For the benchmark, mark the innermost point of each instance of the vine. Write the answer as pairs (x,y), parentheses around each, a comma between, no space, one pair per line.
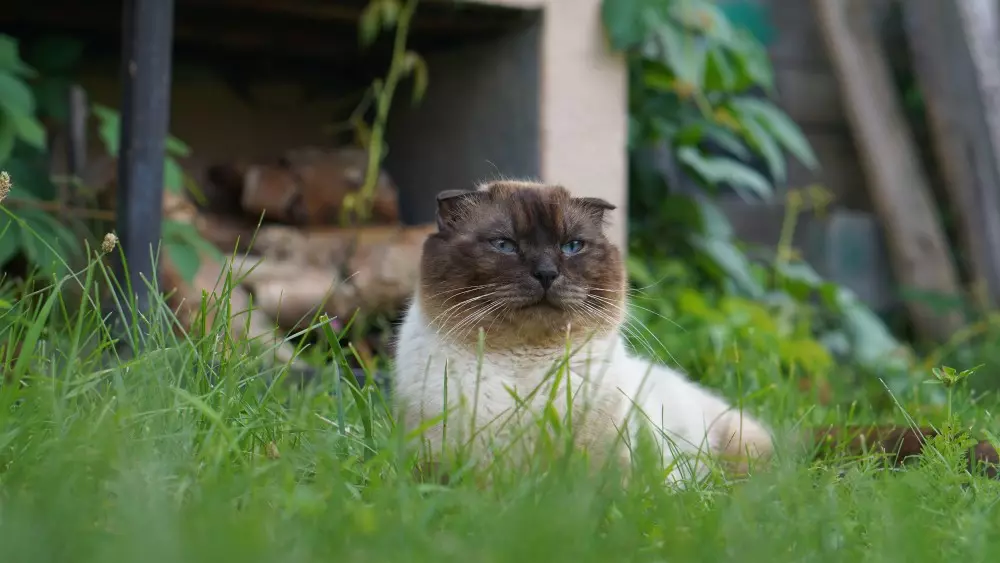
(385,14)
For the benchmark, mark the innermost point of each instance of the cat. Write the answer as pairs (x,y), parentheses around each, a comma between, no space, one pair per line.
(530,265)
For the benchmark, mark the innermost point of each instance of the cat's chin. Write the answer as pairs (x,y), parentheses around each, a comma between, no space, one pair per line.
(544,305)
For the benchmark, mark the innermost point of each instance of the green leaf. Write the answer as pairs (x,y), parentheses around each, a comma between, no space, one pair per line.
(780,125)
(714,223)
(718,170)
(727,140)
(720,76)
(624,22)
(368,24)
(29,168)
(177,147)
(8,134)
(872,344)
(173,176)
(683,53)
(8,53)
(10,60)
(768,148)
(15,96)
(390,13)
(658,77)
(41,227)
(186,233)
(43,256)
(415,65)
(638,271)
(30,130)
(754,61)
(704,17)
(731,261)
(108,128)
(185,258)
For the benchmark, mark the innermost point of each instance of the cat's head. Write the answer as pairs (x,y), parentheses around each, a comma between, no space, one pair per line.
(523,261)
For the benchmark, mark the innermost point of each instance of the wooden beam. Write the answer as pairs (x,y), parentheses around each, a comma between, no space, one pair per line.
(145,71)
(954,48)
(900,191)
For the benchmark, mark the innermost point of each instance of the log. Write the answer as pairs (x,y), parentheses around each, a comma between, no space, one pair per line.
(337,271)
(305,187)
(900,191)
(954,51)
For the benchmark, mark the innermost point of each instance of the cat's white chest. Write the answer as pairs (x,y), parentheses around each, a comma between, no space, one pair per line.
(431,371)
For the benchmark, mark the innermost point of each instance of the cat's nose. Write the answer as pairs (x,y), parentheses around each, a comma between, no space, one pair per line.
(545,275)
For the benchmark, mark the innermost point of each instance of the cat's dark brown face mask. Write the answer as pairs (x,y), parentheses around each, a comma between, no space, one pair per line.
(522,261)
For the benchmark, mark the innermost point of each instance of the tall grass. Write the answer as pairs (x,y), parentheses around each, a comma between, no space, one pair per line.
(194,450)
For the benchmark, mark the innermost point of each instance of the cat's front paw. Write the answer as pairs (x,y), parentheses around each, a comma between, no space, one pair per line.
(743,443)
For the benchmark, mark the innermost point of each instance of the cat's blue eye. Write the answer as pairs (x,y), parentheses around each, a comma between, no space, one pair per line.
(504,245)
(572,247)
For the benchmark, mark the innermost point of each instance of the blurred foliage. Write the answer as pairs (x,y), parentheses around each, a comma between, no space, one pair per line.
(702,122)
(34,93)
(383,15)
(26,96)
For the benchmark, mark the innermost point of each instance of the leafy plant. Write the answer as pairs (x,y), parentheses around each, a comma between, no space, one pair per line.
(17,103)
(23,155)
(701,115)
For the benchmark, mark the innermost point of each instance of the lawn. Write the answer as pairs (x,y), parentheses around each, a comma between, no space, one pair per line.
(192,452)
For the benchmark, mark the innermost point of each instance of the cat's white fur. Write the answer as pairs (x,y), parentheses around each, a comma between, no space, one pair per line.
(615,395)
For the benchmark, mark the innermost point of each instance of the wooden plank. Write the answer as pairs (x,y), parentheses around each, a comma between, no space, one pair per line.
(958,69)
(900,191)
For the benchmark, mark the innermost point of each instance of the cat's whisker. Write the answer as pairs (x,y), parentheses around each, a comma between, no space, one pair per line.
(502,317)
(462,327)
(640,307)
(475,324)
(625,290)
(472,318)
(446,317)
(643,288)
(630,319)
(460,291)
(626,327)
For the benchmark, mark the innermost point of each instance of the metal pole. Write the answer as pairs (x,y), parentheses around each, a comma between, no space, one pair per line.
(147,37)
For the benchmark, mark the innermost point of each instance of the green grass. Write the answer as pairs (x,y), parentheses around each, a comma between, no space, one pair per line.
(170,456)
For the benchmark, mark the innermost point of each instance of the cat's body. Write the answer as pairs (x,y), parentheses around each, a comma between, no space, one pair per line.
(529,266)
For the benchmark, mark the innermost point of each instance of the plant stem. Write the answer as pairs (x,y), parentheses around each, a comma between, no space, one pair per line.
(367,193)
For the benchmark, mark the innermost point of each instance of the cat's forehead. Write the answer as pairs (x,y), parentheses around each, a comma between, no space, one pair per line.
(526,207)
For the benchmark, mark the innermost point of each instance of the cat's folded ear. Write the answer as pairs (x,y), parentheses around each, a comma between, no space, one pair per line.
(451,204)
(595,206)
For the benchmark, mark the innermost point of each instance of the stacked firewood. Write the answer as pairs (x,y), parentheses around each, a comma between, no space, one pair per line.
(303,259)
(278,226)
